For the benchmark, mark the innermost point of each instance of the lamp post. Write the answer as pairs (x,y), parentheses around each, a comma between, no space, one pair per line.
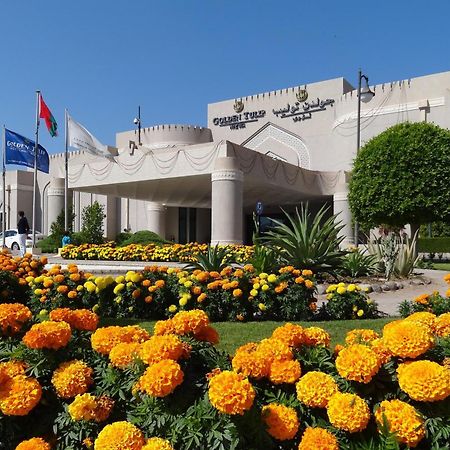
(137,122)
(364,95)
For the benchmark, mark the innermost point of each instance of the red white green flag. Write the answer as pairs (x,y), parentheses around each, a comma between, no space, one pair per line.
(45,113)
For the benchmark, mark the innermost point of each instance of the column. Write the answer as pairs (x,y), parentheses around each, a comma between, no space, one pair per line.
(156,218)
(55,202)
(226,202)
(342,208)
(111,218)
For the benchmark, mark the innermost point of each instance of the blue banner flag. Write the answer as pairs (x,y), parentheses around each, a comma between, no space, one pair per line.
(20,151)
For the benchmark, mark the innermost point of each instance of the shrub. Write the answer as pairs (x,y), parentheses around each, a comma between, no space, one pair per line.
(92,223)
(308,242)
(142,237)
(357,264)
(434,245)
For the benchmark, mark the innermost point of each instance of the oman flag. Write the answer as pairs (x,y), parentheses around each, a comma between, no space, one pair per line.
(45,113)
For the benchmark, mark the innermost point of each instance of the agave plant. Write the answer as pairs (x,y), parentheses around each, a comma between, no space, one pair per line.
(357,264)
(214,259)
(264,259)
(308,242)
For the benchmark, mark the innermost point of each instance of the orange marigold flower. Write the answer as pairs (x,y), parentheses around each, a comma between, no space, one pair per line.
(19,395)
(156,443)
(186,322)
(80,319)
(281,287)
(63,289)
(250,362)
(158,348)
(13,316)
(161,379)
(34,444)
(120,436)
(104,339)
(88,407)
(72,378)
(289,333)
(231,393)
(237,293)
(307,273)
(348,412)
(383,353)
(402,420)
(442,325)
(424,381)
(315,388)
(422,299)
(281,421)
(285,372)
(360,336)
(425,318)
(208,334)
(49,334)
(316,336)
(274,349)
(358,363)
(407,339)
(123,354)
(318,439)
(11,368)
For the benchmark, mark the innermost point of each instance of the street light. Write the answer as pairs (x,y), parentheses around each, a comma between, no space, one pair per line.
(364,95)
(137,122)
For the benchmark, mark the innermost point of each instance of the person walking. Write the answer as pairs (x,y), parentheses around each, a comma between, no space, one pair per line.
(22,229)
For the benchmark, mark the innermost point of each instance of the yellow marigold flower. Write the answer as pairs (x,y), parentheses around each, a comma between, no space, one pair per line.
(341,290)
(379,347)
(262,275)
(358,363)
(314,389)
(281,421)
(88,407)
(403,421)
(72,378)
(19,395)
(161,379)
(275,350)
(119,288)
(424,381)
(104,339)
(351,288)
(272,278)
(120,436)
(253,292)
(90,286)
(360,336)
(250,363)
(318,439)
(425,318)
(231,393)
(156,443)
(442,325)
(407,339)
(360,313)
(262,306)
(285,372)
(34,444)
(289,333)
(316,336)
(13,316)
(158,348)
(348,412)
(52,335)
(331,288)
(123,354)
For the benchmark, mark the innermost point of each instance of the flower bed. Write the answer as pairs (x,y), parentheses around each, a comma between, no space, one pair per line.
(150,252)
(66,385)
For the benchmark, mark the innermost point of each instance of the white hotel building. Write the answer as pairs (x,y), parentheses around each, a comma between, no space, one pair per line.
(191,183)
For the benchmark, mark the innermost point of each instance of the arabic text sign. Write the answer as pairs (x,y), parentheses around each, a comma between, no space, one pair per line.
(303,111)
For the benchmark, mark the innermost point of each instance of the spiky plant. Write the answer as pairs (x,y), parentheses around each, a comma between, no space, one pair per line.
(214,259)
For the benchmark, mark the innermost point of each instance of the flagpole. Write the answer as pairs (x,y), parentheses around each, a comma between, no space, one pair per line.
(66,174)
(4,187)
(36,146)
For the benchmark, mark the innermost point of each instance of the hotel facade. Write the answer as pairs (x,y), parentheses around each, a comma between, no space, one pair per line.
(277,149)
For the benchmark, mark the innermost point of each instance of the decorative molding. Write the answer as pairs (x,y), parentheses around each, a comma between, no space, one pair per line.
(284,137)
(391,109)
(227,175)
(340,197)
(56,191)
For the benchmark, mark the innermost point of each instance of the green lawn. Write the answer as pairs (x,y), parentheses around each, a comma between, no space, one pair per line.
(234,334)
(441,266)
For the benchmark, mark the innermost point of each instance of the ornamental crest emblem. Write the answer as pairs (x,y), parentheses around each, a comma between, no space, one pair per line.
(302,95)
(238,106)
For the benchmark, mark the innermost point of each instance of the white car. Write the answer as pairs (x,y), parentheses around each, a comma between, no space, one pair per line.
(12,238)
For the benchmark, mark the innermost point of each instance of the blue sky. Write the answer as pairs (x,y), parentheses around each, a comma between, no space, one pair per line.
(101,59)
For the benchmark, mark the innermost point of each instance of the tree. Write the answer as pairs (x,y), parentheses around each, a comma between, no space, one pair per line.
(402,176)
(57,227)
(92,223)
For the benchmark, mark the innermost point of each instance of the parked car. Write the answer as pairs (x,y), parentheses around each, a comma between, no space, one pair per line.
(12,238)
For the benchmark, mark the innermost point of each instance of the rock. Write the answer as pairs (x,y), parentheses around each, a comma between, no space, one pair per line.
(366,287)
(392,285)
(385,287)
(377,288)
(399,285)
(321,289)
(416,282)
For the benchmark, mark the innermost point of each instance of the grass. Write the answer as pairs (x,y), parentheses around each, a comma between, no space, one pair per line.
(235,334)
(441,266)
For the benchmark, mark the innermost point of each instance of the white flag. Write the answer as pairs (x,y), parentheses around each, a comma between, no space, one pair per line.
(80,138)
